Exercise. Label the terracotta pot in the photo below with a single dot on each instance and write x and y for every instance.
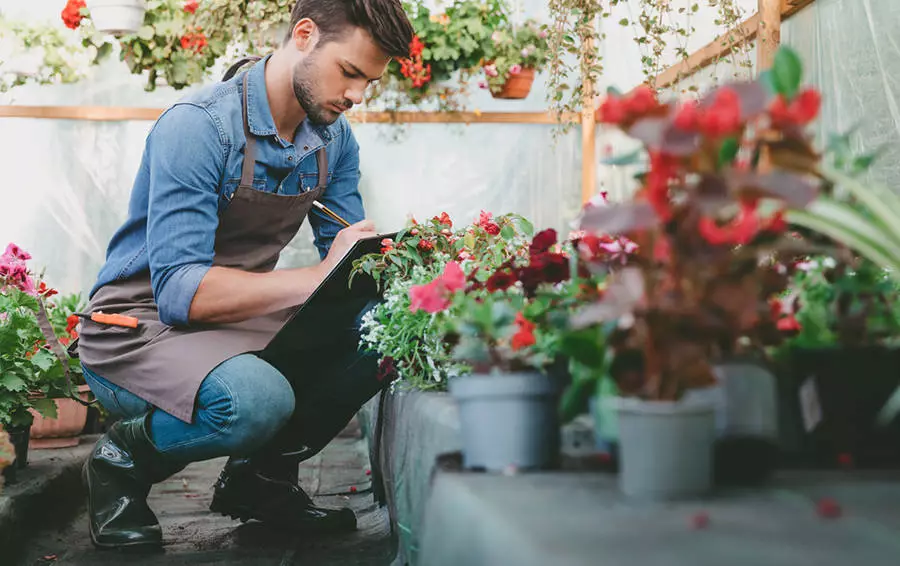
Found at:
(517, 86)
(62, 431)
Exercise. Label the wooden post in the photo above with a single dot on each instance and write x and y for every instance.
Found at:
(769, 36)
(588, 135)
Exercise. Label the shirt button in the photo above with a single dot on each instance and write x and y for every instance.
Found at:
(290, 157)
(305, 148)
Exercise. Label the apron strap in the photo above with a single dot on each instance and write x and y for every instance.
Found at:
(322, 163)
(232, 70)
(250, 148)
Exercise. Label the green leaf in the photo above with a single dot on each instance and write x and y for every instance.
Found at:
(728, 151)
(527, 227)
(623, 22)
(787, 72)
(625, 159)
(43, 359)
(46, 407)
(12, 382)
(507, 233)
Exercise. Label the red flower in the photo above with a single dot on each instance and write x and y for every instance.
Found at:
(414, 67)
(387, 369)
(789, 324)
(800, 112)
(191, 6)
(543, 268)
(742, 228)
(641, 101)
(194, 41)
(492, 228)
(71, 14)
(46, 292)
(444, 219)
(387, 245)
(612, 111)
(542, 241)
(688, 117)
(524, 336)
(724, 116)
(828, 508)
(500, 280)
(425, 245)
(663, 168)
(71, 323)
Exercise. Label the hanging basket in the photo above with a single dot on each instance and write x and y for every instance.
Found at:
(516, 86)
(117, 17)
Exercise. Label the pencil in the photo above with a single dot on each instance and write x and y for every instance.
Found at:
(330, 213)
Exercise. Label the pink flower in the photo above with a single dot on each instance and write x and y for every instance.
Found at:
(435, 296)
(525, 52)
(15, 252)
(515, 70)
(543, 34)
(496, 37)
(463, 255)
(482, 84)
(491, 70)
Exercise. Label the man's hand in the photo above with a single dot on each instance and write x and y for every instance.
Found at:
(345, 240)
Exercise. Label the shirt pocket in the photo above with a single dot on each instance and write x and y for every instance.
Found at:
(230, 187)
(309, 180)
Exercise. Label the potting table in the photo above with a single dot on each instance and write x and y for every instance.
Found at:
(579, 518)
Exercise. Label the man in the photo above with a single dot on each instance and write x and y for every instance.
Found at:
(227, 177)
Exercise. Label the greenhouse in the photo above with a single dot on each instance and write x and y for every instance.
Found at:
(449, 282)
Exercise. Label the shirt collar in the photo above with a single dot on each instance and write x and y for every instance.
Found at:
(259, 114)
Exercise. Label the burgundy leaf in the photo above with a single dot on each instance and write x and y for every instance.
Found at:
(753, 96)
(796, 190)
(650, 131)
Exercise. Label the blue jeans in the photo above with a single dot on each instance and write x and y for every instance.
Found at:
(241, 404)
(247, 406)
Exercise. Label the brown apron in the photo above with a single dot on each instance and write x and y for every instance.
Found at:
(165, 365)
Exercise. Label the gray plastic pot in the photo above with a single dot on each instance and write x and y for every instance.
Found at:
(665, 448)
(508, 420)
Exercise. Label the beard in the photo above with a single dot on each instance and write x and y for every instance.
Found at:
(304, 85)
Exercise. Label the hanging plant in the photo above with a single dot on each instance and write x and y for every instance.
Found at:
(516, 54)
(33, 53)
(254, 27)
(170, 44)
(455, 41)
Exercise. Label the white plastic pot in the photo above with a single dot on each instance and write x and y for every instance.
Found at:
(117, 17)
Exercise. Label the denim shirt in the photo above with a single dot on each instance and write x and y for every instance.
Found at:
(190, 168)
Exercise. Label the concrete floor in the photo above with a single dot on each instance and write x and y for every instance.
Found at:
(336, 478)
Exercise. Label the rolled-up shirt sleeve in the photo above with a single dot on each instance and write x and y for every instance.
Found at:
(185, 154)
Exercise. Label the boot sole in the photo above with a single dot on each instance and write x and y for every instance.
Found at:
(85, 478)
(244, 513)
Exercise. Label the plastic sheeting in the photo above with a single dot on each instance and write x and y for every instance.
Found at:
(66, 183)
(851, 53)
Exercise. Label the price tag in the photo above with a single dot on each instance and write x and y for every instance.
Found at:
(809, 404)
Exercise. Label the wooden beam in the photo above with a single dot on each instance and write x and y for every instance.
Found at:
(769, 34)
(713, 51)
(588, 135)
(125, 113)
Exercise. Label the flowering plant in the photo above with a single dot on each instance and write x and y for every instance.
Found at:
(419, 272)
(513, 49)
(708, 221)
(458, 39)
(29, 373)
(170, 44)
(39, 54)
(830, 302)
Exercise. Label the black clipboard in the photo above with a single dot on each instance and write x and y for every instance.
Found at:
(334, 302)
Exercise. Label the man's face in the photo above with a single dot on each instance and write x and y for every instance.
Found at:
(333, 77)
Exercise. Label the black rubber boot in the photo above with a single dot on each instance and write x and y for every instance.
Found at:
(118, 475)
(267, 490)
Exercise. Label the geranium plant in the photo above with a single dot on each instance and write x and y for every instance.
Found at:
(456, 40)
(708, 222)
(171, 44)
(514, 48)
(29, 372)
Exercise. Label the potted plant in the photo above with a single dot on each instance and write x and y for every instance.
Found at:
(116, 17)
(71, 416)
(516, 53)
(168, 43)
(505, 325)
(707, 221)
(456, 40)
(410, 342)
(843, 319)
(29, 372)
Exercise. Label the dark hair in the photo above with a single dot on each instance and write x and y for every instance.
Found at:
(385, 21)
